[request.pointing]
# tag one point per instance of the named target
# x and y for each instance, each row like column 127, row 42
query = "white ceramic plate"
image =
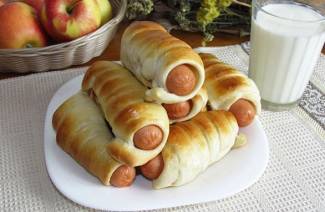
column 237, row 171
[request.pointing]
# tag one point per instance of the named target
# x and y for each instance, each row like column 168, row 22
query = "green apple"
column 105, row 10
column 66, row 20
column 21, row 29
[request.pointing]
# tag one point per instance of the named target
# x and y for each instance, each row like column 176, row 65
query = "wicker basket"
column 63, row 55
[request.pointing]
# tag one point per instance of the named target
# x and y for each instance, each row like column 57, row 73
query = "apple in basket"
column 37, row 4
column 105, row 10
column 19, row 27
column 66, row 20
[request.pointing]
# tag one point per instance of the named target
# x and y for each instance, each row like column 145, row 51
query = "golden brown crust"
column 82, row 133
column 226, row 85
column 121, row 98
column 121, row 154
column 140, row 26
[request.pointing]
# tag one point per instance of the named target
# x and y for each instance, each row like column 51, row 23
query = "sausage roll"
column 184, row 111
column 226, row 86
column 140, row 128
column 165, row 64
column 194, row 145
column 82, row 132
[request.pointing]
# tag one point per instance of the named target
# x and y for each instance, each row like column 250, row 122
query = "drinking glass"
column 286, row 40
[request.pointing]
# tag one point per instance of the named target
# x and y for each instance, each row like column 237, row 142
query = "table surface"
column 112, row 52
column 293, row 181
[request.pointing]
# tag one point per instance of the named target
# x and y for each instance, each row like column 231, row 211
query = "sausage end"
column 153, row 168
column 148, row 137
column 244, row 112
column 181, row 80
column 178, row 110
column 123, row 176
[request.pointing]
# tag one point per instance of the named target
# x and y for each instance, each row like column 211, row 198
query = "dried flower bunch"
column 206, row 16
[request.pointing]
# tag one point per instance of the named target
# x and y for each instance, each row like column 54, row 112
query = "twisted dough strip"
column 194, row 145
column 121, row 98
column 226, row 85
column 82, row 132
column 151, row 53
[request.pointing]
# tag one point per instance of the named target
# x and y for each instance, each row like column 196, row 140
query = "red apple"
column 37, row 4
column 67, row 20
column 21, row 28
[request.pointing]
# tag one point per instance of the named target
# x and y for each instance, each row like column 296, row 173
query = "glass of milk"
column 286, row 40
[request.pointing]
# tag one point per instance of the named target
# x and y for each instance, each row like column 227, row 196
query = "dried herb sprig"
column 139, row 8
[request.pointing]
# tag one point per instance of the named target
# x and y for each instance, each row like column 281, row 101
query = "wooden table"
column 194, row 39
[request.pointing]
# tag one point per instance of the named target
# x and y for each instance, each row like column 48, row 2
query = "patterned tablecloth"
column 293, row 181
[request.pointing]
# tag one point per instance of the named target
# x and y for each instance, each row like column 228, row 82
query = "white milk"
column 284, row 52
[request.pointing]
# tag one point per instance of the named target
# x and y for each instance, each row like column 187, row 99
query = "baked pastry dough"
column 199, row 102
column 81, row 131
column 194, row 145
column 226, row 85
column 121, row 98
column 150, row 52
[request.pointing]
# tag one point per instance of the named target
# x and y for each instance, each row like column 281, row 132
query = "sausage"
column 178, row 110
column 148, row 137
column 123, row 176
column 244, row 112
column 181, row 80
column 153, row 168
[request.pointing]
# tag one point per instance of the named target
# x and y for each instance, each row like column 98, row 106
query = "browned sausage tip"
column 181, row 80
column 178, row 110
column 123, row 176
column 153, row 168
column 244, row 112
column 148, row 137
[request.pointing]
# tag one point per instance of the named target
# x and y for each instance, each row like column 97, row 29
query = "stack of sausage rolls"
column 166, row 111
